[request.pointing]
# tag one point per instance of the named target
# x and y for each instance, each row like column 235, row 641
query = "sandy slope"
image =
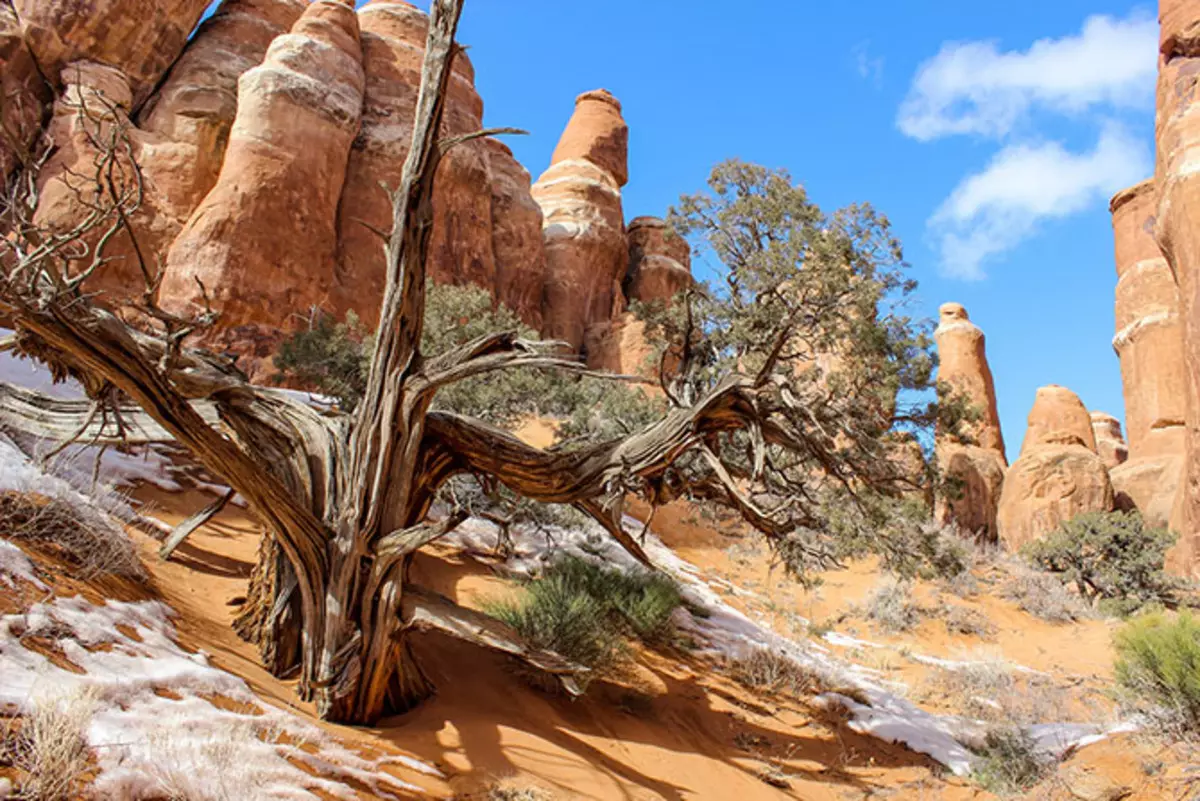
column 675, row 727
column 674, row 730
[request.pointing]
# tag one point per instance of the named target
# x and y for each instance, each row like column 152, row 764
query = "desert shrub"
column 765, row 670
column 1009, row 762
column 989, row 688
column 1042, row 595
column 963, row 620
column 79, row 535
column 1112, row 558
column 583, row 611
column 1158, row 669
column 891, row 606
column 48, row 746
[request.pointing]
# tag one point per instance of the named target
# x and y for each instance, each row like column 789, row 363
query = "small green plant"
column 1113, row 559
column 1009, row 762
column 584, row 611
column 1158, row 669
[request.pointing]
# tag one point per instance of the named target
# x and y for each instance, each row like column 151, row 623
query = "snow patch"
column 150, row 746
column 14, row 564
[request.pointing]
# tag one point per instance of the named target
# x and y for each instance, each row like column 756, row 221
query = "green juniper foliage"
column 1112, row 558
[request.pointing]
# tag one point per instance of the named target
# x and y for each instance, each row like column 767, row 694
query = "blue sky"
column 991, row 134
column 830, row 91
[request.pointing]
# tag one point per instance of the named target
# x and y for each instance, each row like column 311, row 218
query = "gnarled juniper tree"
column 781, row 395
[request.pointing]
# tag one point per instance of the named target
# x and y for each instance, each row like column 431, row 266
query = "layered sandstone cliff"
column 1177, row 139
column 1058, row 476
column 974, row 461
column 1149, row 341
column 25, row 93
column 139, row 38
column 263, row 240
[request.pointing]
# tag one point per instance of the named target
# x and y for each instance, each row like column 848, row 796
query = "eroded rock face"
column 978, row 475
column 660, row 261
column 977, row 466
column 1048, row 486
column 25, row 93
column 1058, row 416
column 1110, row 445
column 486, row 230
column 1149, row 336
column 193, row 110
column 264, row 241
column 94, row 107
column 1177, row 134
column 583, row 226
column 516, row 235
column 140, row 38
column 1059, row 474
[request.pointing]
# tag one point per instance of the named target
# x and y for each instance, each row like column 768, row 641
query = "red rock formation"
column 516, row 235
column 1058, row 475
column 1149, row 337
column 660, row 261
column 1110, row 445
column 94, row 107
column 583, row 229
column 193, row 110
column 977, row 467
column 25, row 93
column 1058, row 415
column 141, row 38
column 1177, row 134
column 264, row 240
column 487, row 229
column 1149, row 341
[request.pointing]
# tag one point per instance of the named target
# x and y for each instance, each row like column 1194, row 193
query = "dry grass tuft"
column 891, row 606
column 81, row 536
column 48, row 746
column 768, row 671
column 516, row 789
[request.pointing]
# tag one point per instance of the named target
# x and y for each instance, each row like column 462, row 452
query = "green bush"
column 584, row 611
column 1158, row 668
column 1112, row 558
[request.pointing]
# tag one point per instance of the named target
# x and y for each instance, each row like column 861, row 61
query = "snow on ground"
column 14, row 565
column 148, row 745
column 727, row 634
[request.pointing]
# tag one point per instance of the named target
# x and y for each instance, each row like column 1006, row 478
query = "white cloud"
column 974, row 88
column 993, row 210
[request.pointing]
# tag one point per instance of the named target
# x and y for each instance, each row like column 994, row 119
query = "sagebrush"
column 1158, row 669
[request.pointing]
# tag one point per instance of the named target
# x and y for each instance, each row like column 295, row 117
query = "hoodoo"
column 975, row 461
column 1058, row 475
column 583, row 229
